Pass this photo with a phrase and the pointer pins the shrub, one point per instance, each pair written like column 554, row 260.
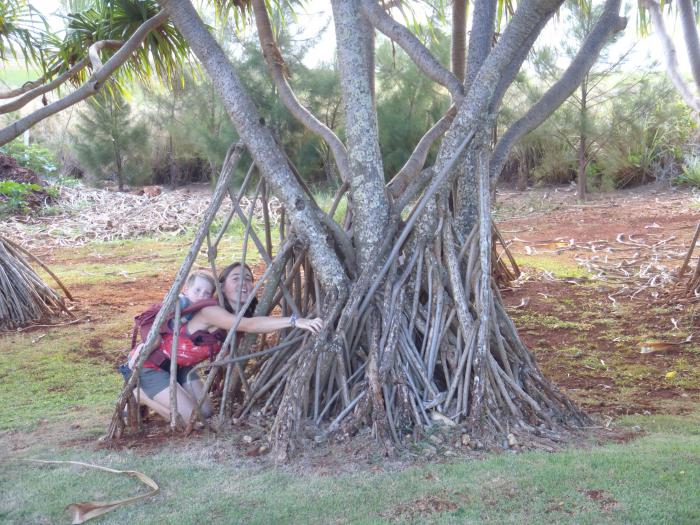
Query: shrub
column 15, row 196
column 691, row 173
column 33, row 157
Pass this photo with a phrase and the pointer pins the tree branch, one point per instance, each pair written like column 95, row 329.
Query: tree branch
column 607, row 25
column 268, row 157
column 480, row 37
column 511, row 71
column 91, row 87
column 31, row 95
column 94, row 51
column 670, row 56
column 423, row 58
column 28, row 86
column 277, row 69
column 413, row 166
column 692, row 43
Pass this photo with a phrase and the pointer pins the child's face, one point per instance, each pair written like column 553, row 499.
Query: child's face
column 198, row 290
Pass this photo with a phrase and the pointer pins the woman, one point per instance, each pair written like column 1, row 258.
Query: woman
column 200, row 339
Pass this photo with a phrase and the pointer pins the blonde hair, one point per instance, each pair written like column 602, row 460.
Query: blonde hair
column 199, row 274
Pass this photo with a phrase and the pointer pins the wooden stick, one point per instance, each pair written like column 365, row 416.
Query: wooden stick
column 684, row 266
column 173, row 368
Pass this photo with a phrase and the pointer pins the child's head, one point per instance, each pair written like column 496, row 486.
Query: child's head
column 199, row 286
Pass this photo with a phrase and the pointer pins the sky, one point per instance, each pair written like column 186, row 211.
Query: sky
column 317, row 16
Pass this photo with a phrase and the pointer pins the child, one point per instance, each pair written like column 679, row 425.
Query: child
column 198, row 287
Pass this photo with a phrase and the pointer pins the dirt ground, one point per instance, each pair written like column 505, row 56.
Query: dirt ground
column 586, row 338
column 586, row 335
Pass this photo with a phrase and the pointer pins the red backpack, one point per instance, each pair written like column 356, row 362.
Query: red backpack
column 144, row 321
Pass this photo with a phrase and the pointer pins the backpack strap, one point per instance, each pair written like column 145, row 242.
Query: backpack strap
column 134, row 333
column 196, row 307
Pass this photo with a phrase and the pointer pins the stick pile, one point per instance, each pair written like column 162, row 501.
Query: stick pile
column 643, row 266
column 24, row 297
column 86, row 215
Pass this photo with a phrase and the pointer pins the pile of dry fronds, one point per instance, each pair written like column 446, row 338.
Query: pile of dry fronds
column 24, row 297
column 85, row 215
column 644, row 265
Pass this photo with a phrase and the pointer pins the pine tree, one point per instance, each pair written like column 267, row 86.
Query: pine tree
column 109, row 143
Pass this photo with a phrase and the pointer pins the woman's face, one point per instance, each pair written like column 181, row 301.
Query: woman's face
column 237, row 286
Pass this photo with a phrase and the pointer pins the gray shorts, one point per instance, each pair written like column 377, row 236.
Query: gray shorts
column 153, row 382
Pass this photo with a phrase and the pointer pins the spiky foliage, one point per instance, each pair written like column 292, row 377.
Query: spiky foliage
column 163, row 54
column 21, row 30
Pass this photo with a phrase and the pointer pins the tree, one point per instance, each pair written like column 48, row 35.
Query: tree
column 579, row 122
column 414, row 323
column 109, row 142
column 687, row 11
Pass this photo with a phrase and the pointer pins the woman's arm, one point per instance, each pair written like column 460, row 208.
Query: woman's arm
column 220, row 318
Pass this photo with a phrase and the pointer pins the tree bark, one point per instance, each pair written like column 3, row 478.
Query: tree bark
column 480, row 38
column 367, row 189
column 582, row 142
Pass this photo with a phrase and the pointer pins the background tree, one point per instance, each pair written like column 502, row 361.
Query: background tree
column 408, row 103
column 637, row 131
column 599, row 86
column 687, row 11
column 110, row 141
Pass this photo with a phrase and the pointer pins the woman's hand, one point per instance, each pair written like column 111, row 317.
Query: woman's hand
column 312, row 325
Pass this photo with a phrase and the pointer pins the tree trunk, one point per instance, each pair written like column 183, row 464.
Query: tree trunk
column 480, row 40
column 118, row 162
column 418, row 331
column 521, row 184
column 459, row 38
column 582, row 144
column 367, row 192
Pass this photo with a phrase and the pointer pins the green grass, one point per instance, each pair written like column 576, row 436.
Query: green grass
column 143, row 257
column 534, row 320
column 59, row 375
column 652, row 479
column 325, row 201
column 557, row 266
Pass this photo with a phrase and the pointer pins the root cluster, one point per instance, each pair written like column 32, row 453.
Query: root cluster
column 419, row 339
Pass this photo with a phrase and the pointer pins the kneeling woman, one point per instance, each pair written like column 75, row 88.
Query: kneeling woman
column 200, row 339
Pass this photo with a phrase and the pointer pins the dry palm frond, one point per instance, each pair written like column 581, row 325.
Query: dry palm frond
column 88, row 215
column 24, row 297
